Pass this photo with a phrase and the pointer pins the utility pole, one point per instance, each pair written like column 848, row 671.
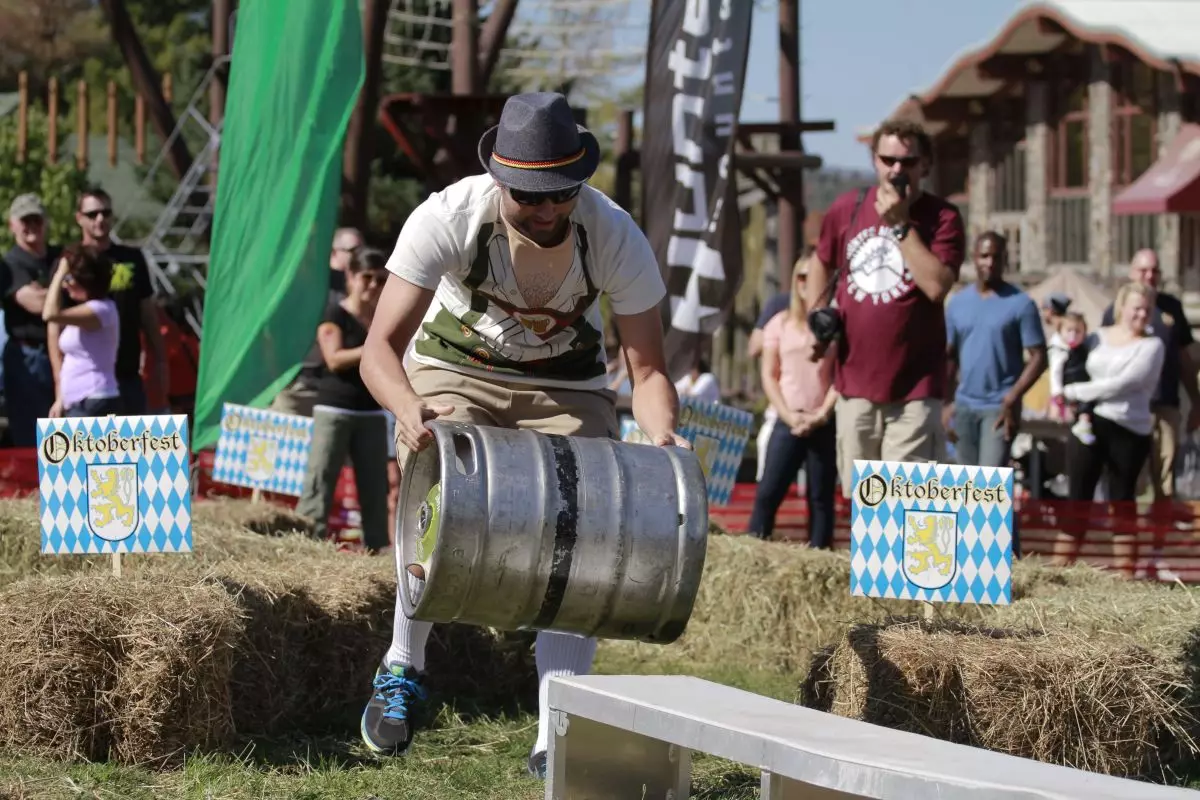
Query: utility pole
column 790, row 236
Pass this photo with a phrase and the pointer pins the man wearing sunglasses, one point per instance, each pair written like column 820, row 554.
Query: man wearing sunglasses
column 498, row 277
column 893, row 254
column 131, row 289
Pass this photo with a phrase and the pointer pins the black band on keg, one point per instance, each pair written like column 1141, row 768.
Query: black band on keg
column 566, row 469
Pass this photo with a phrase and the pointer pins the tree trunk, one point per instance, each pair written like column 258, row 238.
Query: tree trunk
column 147, row 83
column 356, row 157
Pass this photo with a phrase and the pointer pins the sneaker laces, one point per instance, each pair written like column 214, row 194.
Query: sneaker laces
column 397, row 691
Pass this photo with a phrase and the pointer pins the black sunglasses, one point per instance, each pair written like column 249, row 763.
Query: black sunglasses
column 97, row 212
column 537, row 198
column 904, row 161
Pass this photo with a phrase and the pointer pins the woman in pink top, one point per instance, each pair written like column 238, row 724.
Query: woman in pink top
column 802, row 393
column 87, row 381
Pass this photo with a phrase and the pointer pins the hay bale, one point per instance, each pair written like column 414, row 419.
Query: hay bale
column 264, row 518
column 134, row 670
column 316, row 629
column 21, row 544
column 1088, row 703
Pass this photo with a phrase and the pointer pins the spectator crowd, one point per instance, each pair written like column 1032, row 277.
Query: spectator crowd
column 912, row 370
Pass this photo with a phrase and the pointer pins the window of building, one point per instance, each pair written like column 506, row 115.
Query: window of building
column 1135, row 121
column 1068, row 162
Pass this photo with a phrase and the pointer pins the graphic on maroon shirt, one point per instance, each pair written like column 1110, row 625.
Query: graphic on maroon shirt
column 876, row 266
column 894, row 346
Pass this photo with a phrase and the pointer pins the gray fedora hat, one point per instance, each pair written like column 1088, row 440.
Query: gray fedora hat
column 538, row 147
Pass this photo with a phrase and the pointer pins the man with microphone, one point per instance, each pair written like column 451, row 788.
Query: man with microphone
column 889, row 255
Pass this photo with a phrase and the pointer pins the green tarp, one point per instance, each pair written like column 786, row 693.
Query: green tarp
column 296, row 72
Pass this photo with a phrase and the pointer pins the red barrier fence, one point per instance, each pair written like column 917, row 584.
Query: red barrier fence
column 1166, row 538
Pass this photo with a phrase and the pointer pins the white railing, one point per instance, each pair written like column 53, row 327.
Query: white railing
column 627, row 736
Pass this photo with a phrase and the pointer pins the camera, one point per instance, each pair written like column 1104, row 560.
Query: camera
column 826, row 325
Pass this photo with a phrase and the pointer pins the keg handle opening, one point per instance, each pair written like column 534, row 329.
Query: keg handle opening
column 464, row 452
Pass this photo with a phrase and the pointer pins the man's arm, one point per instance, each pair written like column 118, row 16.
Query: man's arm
column 655, row 401
column 31, row 297
column 402, row 306
column 934, row 267
column 1035, row 363
column 931, row 276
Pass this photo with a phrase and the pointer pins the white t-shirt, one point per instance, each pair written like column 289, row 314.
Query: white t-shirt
column 455, row 244
column 705, row 388
column 1122, row 382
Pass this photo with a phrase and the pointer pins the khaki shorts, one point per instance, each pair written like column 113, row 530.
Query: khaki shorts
column 904, row 431
column 504, row 404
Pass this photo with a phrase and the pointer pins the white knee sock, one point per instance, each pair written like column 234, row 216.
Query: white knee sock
column 408, row 636
column 557, row 655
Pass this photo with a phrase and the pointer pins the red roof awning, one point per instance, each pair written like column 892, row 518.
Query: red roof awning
column 1172, row 184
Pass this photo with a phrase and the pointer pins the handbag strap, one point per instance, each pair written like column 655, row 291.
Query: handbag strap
column 831, row 285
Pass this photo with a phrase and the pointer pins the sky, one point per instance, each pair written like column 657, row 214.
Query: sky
column 860, row 58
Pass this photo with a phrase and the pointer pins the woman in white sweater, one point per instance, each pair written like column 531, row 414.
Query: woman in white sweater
column 1124, row 366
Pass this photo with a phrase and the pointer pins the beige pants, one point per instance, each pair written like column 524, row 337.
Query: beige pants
column 1163, row 447
column 904, row 431
column 296, row 398
column 503, row 404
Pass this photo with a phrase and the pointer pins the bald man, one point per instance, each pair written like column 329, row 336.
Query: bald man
column 1179, row 366
column 299, row 396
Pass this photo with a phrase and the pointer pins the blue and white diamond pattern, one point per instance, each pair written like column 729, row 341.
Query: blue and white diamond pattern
column 241, row 428
column 718, row 434
column 164, row 497
column 983, row 566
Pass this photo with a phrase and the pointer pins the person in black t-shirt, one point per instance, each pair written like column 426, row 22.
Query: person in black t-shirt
column 298, row 396
column 24, row 276
column 346, row 418
column 133, row 293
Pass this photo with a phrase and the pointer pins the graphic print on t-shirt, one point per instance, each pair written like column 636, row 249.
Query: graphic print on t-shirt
column 876, row 266
column 493, row 330
column 544, row 322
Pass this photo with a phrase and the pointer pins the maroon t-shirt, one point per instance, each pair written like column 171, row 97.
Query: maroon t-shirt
column 894, row 342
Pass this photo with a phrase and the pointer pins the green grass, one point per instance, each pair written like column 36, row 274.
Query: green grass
column 460, row 756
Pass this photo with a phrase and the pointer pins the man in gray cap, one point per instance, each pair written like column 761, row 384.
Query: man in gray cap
column 27, row 268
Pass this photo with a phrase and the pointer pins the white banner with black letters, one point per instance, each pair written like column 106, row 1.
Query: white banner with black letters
column 696, row 67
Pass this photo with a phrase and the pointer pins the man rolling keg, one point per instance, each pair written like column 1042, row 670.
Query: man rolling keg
column 498, row 276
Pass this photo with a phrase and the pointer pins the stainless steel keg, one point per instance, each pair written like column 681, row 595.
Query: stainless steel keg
column 519, row 530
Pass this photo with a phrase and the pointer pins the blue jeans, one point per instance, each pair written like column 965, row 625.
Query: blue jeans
column 979, row 443
column 817, row 453
column 29, row 389
column 133, row 396
column 95, row 407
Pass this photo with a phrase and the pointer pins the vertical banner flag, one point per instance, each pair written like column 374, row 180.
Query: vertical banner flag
column 695, row 69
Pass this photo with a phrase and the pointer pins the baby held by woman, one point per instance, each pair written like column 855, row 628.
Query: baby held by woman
column 1067, row 354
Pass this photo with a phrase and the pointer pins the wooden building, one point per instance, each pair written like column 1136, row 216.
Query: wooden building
column 1074, row 131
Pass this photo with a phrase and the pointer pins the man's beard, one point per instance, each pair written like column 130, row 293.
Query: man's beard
column 545, row 238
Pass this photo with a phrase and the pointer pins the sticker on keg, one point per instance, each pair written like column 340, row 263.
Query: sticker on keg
column 429, row 521
column 718, row 434
column 262, row 449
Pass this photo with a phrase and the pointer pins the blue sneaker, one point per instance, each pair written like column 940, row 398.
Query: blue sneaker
column 536, row 766
column 387, row 722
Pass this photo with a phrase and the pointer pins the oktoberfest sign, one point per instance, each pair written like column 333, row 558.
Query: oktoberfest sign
column 936, row 532
column 262, row 449
column 718, row 434
column 115, row 485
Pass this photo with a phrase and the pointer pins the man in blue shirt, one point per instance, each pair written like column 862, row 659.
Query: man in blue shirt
column 997, row 350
